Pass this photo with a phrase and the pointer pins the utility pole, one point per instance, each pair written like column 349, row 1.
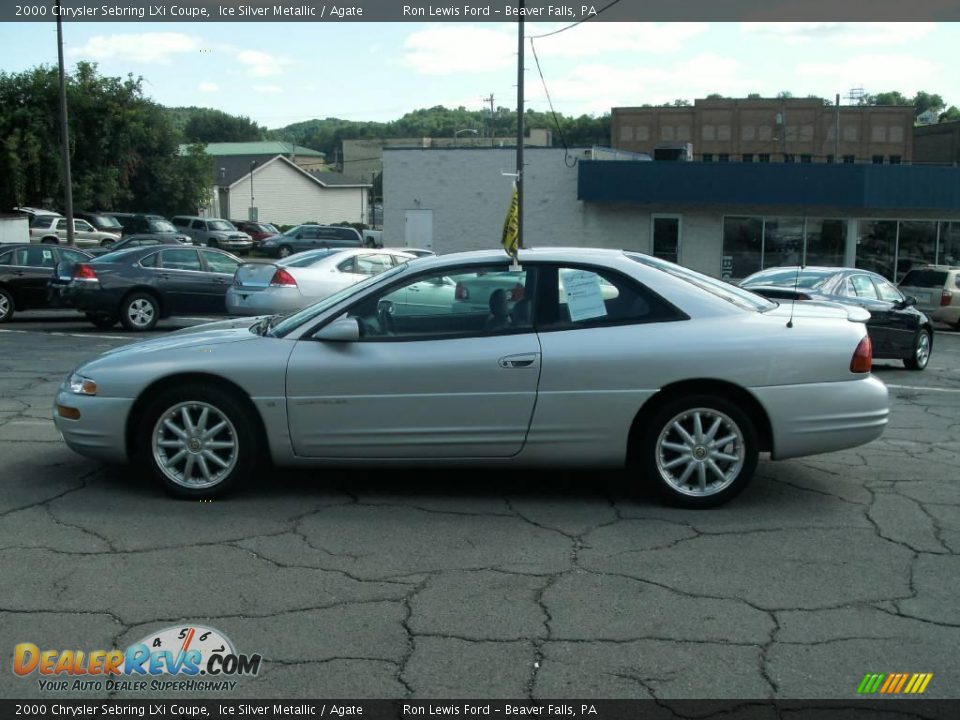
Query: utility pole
column 492, row 132
column 65, row 138
column 520, row 125
column 836, row 131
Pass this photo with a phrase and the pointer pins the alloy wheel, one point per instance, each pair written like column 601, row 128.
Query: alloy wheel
column 141, row 312
column 922, row 352
column 195, row 445
column 700, row 452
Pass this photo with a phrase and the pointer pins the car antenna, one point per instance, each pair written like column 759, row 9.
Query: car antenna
column 793, row 300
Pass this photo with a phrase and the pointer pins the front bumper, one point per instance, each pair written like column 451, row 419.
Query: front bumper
column 234, row 244
column 818, row 418
column 100, row 432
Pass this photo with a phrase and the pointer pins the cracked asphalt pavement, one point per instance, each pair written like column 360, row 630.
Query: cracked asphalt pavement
column 440, row 584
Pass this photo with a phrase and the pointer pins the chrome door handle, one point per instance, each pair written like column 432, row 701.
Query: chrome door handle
column 517, row 361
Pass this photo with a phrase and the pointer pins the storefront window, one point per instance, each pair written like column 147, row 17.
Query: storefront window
column 877, row 246
column 917, row 245
column 949, row 243
column 826, row 242
column 742, row 247
column 782, row 242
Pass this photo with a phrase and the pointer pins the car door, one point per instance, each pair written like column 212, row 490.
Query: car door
column 182, row 280
column 429, row 386
column 220, row 269
column 27, row 272
column 901, row 322
column 84, row 234
column 866, row 296
column 307, row 239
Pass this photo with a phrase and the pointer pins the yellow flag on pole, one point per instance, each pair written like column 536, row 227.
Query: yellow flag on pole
column 511, row 225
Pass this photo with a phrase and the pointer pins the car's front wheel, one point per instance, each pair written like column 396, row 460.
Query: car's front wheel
column 198, row 441
column 107, row 242
column 699, row 451
column 285, row 251
column 921, row 351
column 139, row 312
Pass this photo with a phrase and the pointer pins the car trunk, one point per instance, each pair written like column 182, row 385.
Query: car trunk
column 254, row 276
column 926, row 286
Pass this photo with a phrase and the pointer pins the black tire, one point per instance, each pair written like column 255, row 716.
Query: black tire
column 107, row 242
column 212, row 243
column 241, row 430
column 139, row 312
column 102, row 320
column 671, row 485
column 284, row 251
column 7, row 306
column 920, row 355
column 50, row 241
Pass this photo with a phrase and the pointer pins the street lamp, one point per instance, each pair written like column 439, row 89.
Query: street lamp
column 250, row 215
column 465, row 130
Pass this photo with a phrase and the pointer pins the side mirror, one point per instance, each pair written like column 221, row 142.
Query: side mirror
column 342, row 330
column 908, row 301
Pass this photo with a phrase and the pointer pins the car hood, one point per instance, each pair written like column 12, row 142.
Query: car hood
column 819, row 309
column 215, row 333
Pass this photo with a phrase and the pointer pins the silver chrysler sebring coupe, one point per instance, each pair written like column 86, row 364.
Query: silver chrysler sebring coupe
column 576, row 357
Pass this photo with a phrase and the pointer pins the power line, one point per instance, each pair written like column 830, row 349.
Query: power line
column 563, row 140
column 578, row 22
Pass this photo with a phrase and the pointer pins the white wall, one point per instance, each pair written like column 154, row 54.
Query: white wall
column 285, row 196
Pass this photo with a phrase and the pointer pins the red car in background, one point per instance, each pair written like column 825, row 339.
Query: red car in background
column 256, row 230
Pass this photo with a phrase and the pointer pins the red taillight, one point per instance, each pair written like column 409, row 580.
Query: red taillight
column 461, row 293
column 862, row 359
column 281, row 278
column 84, row 272
column 946, row 297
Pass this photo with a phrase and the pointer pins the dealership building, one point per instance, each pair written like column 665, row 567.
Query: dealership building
column 726, row 219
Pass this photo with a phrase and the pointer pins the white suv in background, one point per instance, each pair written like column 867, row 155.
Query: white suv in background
column 213, row 232
column 937, row 290
column 52, row 230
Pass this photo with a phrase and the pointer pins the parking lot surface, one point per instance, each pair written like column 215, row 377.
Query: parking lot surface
column 444, row 584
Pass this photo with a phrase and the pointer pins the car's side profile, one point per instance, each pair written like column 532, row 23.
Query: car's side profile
column 310, row 237
column 138, row 286
column 25, row 271
column 681, row 377
column 898, row 330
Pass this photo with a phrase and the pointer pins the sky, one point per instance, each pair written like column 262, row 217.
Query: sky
column 277, row 73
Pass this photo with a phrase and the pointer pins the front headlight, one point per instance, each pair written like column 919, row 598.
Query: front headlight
column 80, row 385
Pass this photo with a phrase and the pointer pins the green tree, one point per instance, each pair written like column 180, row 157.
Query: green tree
column 951, row 114
column 924, row 101
column 123, row 147
column 890, row 98
column 754, row 96
column 784, row 95
column 206, row 125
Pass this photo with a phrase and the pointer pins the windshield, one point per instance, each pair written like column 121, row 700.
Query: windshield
column 220, row 225
column 271, row 228
column 293, row 231
column 163, row 226
column 731, row 293
column 106, row 221
column 788, row 277
column 115, row 256
column 291, row 322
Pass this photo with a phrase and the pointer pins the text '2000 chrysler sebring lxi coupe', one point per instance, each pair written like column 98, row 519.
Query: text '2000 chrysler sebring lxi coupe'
column 577, row 358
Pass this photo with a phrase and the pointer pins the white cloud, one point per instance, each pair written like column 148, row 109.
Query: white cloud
column 262, row 64
column 457, row 49
column 873, row 72
column 272, row 89
column 137, row 47
column 208, row 87
column 877, row 33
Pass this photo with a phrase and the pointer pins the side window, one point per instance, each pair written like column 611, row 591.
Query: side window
column 847, row 289
column 150, row 261
column 72, row 256
column 198, row 225
column 82, row 226
column 62, row 224
column 464, row 303
column 588, row 297
column 179, row 222
column 348, row 266
column 309, row 233
column 180, row 259
column 35, row 257
column 373, row 264
column 863, row 286
column 219, row 263
column 6, row 258
column 887, row 291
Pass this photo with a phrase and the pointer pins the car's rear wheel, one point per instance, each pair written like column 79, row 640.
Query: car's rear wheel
column 198, row 441
column 921, row 351
column 104, row 321
column 6, row 305
column 50, row 241
column 699, row 451
column 139, row 312
column 285, row 251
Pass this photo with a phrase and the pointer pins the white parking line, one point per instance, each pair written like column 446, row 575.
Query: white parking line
column 923, row 389
column 66, row 334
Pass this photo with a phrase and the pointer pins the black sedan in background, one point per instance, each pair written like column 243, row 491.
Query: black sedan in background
column 25, row 270
column 897, row 330
column 141, row 285
column 136, row 241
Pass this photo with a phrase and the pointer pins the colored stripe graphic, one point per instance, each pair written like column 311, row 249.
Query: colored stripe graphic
column 894, row 683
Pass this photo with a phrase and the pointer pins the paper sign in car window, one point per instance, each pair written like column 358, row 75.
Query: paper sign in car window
column 583, row 295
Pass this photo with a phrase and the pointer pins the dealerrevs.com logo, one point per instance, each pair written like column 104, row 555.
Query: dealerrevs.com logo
column 182, row 658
